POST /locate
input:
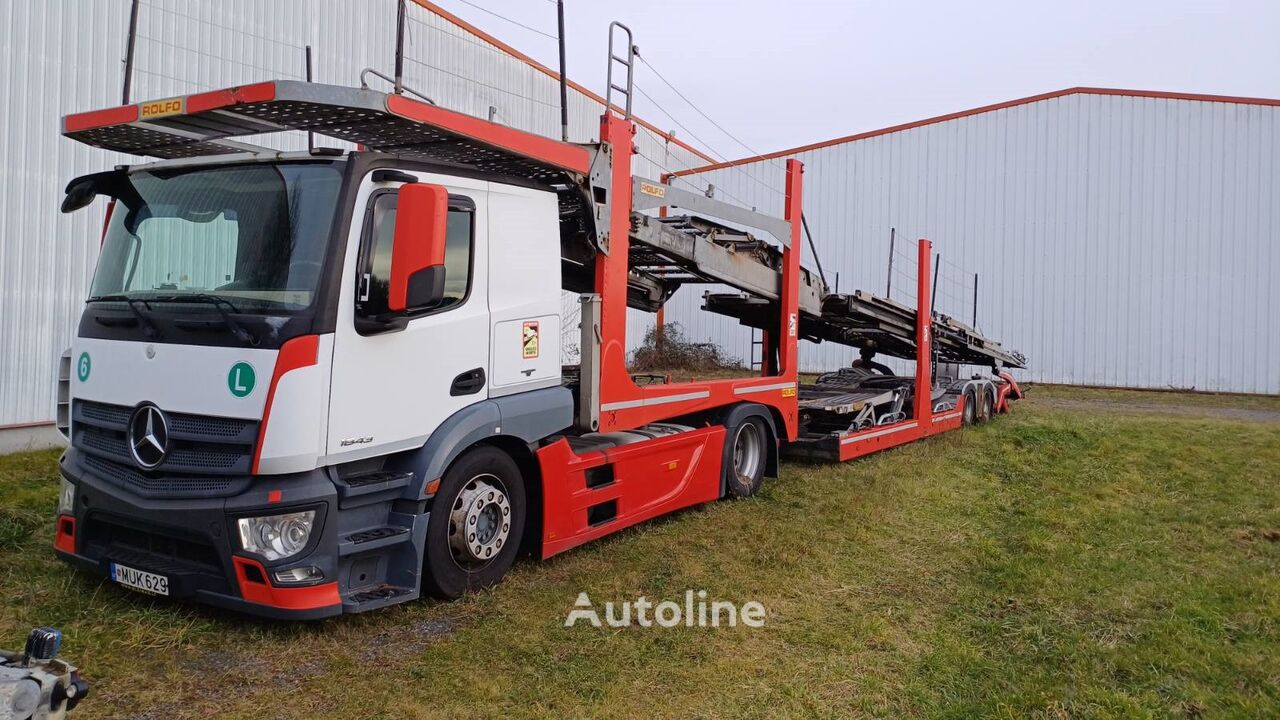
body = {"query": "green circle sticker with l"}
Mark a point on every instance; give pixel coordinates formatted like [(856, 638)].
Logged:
[(241, 379), (83, 366)]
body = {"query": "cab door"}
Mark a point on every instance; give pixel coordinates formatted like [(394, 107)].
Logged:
[(393, 384)]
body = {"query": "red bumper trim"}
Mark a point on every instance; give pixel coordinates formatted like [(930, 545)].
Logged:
[(64, 538), (287, 598)]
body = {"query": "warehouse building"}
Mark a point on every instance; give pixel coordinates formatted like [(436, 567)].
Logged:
[(1119, 238)]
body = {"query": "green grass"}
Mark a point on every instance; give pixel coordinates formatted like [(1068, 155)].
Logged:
[(1057, 563)]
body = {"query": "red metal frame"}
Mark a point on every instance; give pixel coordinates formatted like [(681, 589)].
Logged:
[(100, 118), (553, 152), (215, 99), (924, 421), (625, 405)]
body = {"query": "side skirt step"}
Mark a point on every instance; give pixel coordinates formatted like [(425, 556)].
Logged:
[(374, 539)]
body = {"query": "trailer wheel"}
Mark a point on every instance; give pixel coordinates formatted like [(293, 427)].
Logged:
[(477, 521), (746, 453), (970, 412), (987, 407)]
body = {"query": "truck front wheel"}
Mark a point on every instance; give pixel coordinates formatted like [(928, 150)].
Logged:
[(477, 520)]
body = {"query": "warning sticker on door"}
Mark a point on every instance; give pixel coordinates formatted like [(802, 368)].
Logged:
[(529, 339)]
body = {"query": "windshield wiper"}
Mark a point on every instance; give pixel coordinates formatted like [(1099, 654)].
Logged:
[(218, 302), (148, 325)]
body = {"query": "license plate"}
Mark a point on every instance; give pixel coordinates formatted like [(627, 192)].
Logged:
[(140, 580)]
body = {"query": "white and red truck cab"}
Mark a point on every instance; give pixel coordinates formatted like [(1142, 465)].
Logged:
[(321, 382)]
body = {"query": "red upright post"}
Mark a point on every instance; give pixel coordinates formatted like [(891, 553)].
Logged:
[(788, 334), (924, 330), (611, 268)]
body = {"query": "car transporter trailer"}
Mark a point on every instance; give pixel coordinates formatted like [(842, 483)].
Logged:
[(307, 417)]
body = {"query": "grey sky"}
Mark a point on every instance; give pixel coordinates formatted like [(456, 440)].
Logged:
[(781, 74)]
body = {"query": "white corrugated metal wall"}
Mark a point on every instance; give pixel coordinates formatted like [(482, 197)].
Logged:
[(62, 57), (1119, 240)]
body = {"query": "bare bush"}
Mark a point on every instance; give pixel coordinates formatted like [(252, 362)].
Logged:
[(670, 350)]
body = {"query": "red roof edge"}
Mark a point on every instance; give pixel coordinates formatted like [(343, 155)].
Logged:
[(432, 7), (985, 109)]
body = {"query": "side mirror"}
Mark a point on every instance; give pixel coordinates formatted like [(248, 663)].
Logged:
[(113, 183), (79, 194), (417, 250)]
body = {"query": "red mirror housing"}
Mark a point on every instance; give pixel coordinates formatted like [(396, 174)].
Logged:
[(417, 249)]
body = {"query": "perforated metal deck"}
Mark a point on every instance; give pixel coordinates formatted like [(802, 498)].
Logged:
[(202, 124)]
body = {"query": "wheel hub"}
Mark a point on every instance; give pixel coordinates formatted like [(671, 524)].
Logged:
[(748, 449), (480, 521)]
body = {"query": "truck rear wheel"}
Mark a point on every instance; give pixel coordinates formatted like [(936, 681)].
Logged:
[(986, 407), (970, 412), (477, 521), (746, 453)]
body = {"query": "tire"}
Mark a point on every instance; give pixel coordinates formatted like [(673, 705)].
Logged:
[(970, 413), (746, 453), (483, 493), (986, 408)]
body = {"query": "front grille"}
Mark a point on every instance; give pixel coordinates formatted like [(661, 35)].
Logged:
[(198, 444), (212, 426), (198, 457), (104, 441), (104, 414), (167, 485)]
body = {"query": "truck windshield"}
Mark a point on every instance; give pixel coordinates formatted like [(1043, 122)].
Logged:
[(255, 235)]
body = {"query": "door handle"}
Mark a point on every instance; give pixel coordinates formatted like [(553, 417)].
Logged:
[(468, 383)]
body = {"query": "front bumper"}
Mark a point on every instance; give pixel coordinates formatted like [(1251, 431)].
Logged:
[(194, 542)]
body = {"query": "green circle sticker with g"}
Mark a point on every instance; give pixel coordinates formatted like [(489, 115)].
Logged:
[(241, 379), (83, 367)]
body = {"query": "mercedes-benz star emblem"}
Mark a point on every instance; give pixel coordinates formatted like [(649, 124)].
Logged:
[(148, 436)]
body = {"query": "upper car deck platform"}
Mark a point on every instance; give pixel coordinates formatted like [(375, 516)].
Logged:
[(203, 124)]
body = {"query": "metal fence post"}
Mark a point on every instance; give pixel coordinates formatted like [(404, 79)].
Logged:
[(564, 81), (888, 285), (975, 300), (400, 17)]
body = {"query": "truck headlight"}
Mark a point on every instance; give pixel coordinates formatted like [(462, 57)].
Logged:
[(276, 537), (67, 498)]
